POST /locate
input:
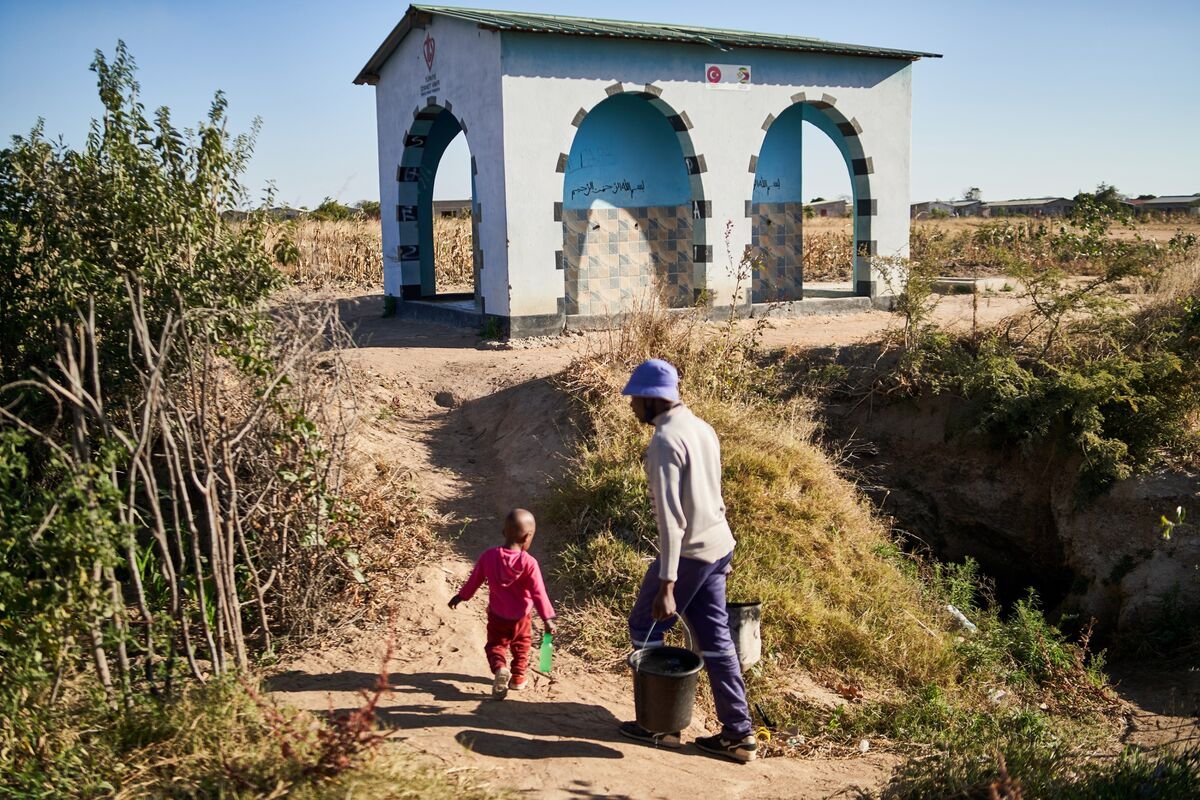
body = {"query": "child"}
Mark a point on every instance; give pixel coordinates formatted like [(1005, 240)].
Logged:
[(515, 587)]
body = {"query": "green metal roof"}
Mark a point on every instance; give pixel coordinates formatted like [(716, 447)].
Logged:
[(617, 29)]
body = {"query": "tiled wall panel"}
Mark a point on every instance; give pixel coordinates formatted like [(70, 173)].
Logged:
[(615, 258), (777, 231)]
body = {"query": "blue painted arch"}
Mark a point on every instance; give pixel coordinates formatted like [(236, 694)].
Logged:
[(434, 127), (625, 155), (778, 178)]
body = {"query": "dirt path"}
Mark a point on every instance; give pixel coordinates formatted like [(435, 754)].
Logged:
[(494, 447), (483, 431)]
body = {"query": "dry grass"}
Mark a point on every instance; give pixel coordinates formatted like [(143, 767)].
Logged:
[(329, 255), (348, 255), (216, 740), (835, 602), (828, 255)]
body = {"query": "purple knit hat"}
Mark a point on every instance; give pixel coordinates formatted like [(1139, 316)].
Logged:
[(654, 378)]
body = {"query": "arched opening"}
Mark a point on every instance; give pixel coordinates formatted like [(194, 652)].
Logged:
[(803, 205), (439, 242), (630, 194)]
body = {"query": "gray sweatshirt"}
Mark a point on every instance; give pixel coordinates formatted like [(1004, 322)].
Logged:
[(683, 469)]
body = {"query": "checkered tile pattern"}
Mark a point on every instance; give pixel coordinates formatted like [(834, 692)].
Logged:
[(616, 257), (777, 231)]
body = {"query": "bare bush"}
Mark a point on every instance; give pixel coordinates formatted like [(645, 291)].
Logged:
[(220, 481)]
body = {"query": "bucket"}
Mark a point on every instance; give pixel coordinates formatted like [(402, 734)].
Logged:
[(664, 687), (745, 626)]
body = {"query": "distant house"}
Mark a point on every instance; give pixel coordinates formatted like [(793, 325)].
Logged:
[(1032, 207), (949, 208), (827, 208), (1172, 204), (452, 208)]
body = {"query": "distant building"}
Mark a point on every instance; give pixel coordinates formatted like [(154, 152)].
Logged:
[(828, 208), (452, 208), (949, 208), (1032, 207), (1172, 204)]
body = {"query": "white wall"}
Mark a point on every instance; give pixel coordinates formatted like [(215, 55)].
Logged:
[(548, 79), (467, 66)]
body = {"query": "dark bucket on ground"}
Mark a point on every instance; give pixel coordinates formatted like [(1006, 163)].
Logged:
[(664, 687)]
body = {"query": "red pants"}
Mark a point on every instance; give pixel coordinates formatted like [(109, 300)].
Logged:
[(505, 634)]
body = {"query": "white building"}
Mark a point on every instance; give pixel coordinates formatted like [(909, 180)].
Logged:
[(608, 158)]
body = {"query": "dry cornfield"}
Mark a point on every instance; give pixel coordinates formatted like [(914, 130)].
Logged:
[(828, 256), (349, 254)]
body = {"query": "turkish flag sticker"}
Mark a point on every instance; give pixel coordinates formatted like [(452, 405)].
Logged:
[(713, 74)]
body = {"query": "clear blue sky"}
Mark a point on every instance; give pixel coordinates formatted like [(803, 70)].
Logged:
[(1032, 98)]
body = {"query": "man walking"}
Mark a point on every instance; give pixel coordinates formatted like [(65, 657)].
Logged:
[(695, 548)]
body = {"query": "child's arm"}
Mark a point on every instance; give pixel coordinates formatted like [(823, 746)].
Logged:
[(471, 586), (541, 600)]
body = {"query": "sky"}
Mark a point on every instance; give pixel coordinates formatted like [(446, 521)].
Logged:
[(1031, 99)]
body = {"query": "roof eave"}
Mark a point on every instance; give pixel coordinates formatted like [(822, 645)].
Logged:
[(417, 16), (413, 18)]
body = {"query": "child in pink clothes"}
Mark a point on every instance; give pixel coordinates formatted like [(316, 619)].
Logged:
[(515, 588)]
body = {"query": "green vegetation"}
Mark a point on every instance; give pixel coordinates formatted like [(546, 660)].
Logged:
[(171, 503), (219, 740), (1117, 385), (841, 601)]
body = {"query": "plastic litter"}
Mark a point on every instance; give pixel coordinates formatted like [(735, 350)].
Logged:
[(962, 620)]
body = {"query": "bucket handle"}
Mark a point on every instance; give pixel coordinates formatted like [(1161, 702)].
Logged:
[(649, 638)]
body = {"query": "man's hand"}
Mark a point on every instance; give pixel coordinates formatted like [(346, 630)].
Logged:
[(664, 601), (454, 601), (551, 628)]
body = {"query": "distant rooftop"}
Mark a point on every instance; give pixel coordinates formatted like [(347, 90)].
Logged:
[(1170, 199), (1032, 201), (718, 38)]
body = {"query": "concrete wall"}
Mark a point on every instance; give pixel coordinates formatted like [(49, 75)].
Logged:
[(467, 72), (549, 80)]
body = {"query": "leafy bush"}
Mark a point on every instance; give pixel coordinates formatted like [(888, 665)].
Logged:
[(140, 203), (1120, 387)]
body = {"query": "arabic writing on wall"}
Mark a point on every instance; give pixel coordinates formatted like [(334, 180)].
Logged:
[(767, 186), (620, 187)]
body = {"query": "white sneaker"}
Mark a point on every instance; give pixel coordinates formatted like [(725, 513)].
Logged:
[(500, 684)]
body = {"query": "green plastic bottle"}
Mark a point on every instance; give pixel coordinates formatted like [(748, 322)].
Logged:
[(547, 652)]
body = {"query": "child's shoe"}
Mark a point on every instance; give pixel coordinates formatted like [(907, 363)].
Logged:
[(500, 684), (517, 683)]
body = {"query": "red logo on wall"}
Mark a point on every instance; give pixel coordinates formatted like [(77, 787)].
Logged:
[(430, 48), (714, 74)]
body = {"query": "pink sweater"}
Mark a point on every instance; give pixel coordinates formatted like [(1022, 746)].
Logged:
[(515, 585)]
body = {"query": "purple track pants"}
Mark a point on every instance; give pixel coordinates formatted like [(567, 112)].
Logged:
[(700, 597)]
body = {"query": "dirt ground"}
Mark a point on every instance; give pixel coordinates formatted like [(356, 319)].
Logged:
[(483, 431)]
